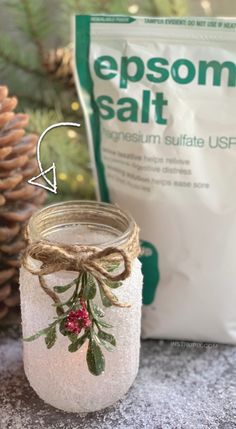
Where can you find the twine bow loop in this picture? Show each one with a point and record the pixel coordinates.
(110, 264)
(62, 257)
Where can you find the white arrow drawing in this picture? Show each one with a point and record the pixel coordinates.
(52, 183)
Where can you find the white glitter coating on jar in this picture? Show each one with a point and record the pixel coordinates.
(61, 378)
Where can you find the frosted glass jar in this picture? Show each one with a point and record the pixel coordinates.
(61, 378)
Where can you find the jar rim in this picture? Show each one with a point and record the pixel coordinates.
(44, 219)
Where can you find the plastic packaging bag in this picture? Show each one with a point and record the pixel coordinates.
(159, 101)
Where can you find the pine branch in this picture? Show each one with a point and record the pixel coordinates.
(39, 102)
(149, 8)
(170, 7)
(14, 61)
(33, 30)
(177, 7)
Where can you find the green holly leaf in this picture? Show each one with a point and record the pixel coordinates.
(109, 343)
(96, 311)
(89, 288)
(62, 328)
(105, 300)
(62, 316)
(104, 324)
(51, 337)
(61, 289)
(109, 338)
(95, 358)
(38, 334)
(72, 337)
(113, 285)
(102, 343)
(75, 345)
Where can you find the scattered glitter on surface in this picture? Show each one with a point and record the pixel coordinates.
(177, 388)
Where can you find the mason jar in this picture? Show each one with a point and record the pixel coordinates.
(59, 377)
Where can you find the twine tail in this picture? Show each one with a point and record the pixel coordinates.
(111, 298)
(51, 294)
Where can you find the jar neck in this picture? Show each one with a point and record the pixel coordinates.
(114, 226)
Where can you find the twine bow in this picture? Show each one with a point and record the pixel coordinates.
(57, 257)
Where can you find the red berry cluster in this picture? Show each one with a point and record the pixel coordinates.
(78, 320)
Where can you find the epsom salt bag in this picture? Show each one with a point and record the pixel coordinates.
(159, 103)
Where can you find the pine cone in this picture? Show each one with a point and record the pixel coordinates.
(59, 64)
(18, 199)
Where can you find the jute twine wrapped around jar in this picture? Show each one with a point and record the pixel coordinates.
(82, 259)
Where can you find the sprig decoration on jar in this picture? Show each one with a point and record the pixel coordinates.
(79, 318)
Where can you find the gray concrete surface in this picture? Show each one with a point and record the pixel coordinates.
(179, 385)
